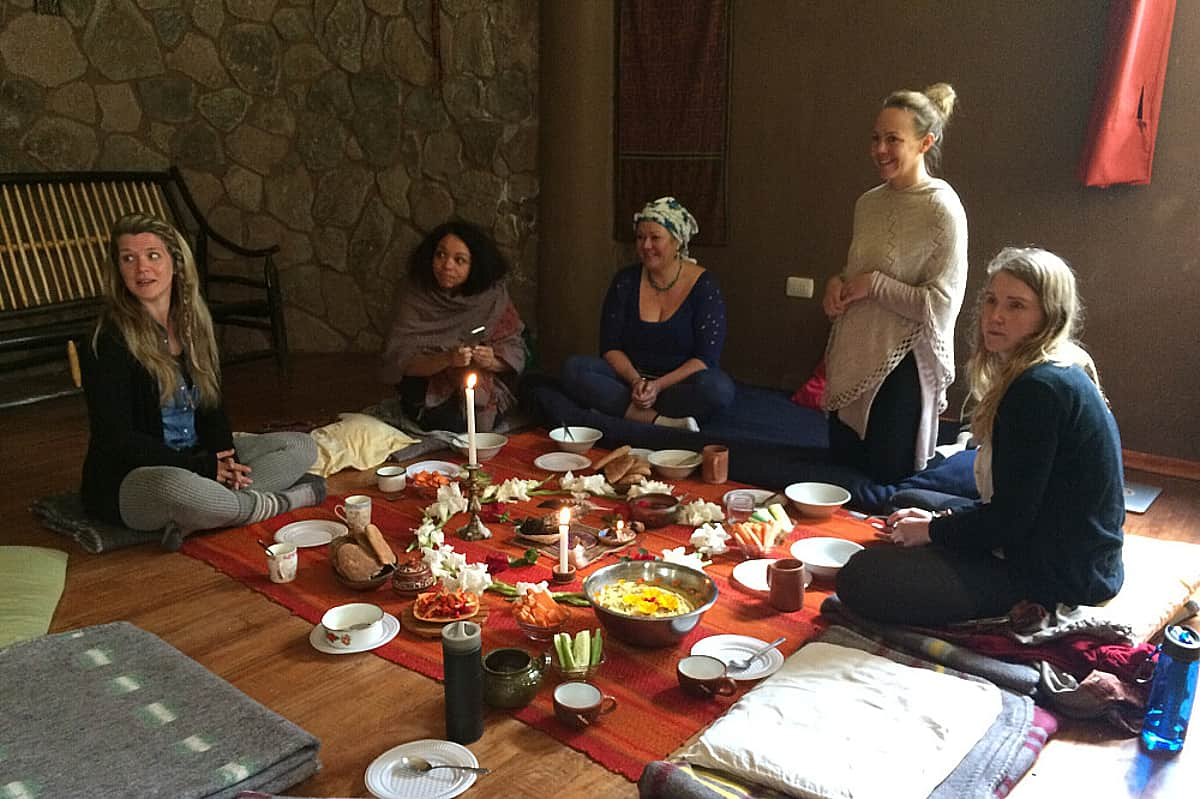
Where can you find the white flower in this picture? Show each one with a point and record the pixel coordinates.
(650, 487)
(700, 512)
(581, 487)
(578, 557)
(429, 535)
(449, 502)
(709, 539)
(514, 489)
(526, 588)
(471, 577)
(693, 561)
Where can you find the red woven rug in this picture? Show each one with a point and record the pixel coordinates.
(653, 716)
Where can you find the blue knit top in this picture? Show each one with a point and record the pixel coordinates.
(696, 330)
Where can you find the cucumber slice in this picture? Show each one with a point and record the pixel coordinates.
(597, 647)
(761, 515)
(780, 515)
(562, 644)
(582, 654)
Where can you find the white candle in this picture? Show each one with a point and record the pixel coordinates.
(471, 454)
(564, 528)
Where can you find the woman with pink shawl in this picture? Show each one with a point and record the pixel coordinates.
(452, 316)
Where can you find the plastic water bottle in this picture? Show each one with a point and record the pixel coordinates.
(1173, 690)
(462, 665)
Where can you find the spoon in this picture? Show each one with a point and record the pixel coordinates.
(567, 431)
(264, 545)
(744, 663)
(420, 765)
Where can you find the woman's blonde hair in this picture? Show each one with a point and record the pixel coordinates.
(931, 110)
(1053, 283)
(189, 314)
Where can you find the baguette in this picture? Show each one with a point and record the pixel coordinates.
(619, 452)
(379, 546)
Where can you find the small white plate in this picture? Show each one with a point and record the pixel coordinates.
(386, 780)
(562, 462)
(752, 575)
(441, 467)
(759, 495)
(736, 647)
(388, 630)
(310, 533)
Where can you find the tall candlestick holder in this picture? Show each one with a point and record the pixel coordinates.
(474, 529)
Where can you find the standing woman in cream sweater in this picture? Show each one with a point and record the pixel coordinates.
(890, 356)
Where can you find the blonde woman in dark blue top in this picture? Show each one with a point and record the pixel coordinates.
(1048, 529)
(661, 332)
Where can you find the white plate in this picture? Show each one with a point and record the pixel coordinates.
(562, 462)
(759, 495)
(310, 533)
(386, 780)
(387, 631)
(441, 467)
(737, 647)
(752, 575)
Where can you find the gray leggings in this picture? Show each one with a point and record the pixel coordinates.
(153, 496)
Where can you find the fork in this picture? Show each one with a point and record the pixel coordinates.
(744, 663)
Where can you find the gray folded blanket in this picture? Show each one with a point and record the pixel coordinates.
(64, 513)
(114, 711)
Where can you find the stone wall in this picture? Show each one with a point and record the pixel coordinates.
(327, 127)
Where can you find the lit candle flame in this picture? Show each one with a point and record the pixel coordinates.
(564, 516)
(620, 525)
(471, 380)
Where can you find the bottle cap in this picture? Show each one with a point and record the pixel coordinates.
(1181, 643)
(461, 637)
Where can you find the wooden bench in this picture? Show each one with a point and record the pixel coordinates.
(54, 243)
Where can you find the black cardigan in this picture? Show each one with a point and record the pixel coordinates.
(1059, 500)
(125, 422)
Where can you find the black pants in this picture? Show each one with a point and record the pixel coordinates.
(928, 585)
(888, 452)
(450, 415)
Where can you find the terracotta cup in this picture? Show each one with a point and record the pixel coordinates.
(785, 580)
(578, 704)
(704, 676)
(715, 467)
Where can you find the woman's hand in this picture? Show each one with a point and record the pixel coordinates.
(832, 302)
(460, 356)
(231, 473)
(908, 528)
(857, 288)
(645, 393)
(484, 357)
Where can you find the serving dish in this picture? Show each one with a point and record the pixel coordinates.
(643, 631)
(824, 557)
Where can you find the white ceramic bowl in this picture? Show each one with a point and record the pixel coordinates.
(352, 625)
(581, 439)
(487, 445)
(674, 464)
(818, 500)
(824, 557)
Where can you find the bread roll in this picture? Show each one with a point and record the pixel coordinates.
(615, 470)
(619, 452)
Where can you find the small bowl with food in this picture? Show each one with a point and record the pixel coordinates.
(649, 603)
(654, 510)
(817, 500)
(487, 445)
(575, 438)
(674, 464)
(539, 616)
(427, 477)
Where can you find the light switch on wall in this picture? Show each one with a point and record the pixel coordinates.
(800, 287)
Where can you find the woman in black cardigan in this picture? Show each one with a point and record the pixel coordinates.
(1048, 529)
(161, 455)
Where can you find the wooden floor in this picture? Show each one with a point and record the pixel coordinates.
(360, 706)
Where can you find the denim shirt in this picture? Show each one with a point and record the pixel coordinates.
(179, 416)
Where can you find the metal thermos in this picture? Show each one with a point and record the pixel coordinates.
(462, 665)
(1173, 690)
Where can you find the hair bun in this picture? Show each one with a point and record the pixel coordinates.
(943, 97)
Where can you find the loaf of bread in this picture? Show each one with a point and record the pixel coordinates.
(354, 563)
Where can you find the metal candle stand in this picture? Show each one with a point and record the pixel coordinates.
(474, 529)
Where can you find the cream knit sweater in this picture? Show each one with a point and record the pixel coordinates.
(915, 241)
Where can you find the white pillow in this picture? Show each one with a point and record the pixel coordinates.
(358, 441)
(840, 722)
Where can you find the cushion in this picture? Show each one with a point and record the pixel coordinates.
(357, 441)
(1160, 577)
(33, 579)
(64, 513)
(843, 707)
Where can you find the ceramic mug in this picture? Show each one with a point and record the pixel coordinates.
(578, 704)
(391, 479)
(785, 581)
(511, 677)
(716, 463)
(282, 561)
(704, 676)
(355, 512)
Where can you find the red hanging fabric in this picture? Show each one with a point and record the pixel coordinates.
(1125, 111)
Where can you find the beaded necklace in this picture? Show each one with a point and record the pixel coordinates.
(669, 286)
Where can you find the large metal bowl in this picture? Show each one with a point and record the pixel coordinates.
(647, 632)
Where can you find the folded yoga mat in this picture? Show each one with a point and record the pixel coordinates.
(113, 711)
(33, 579)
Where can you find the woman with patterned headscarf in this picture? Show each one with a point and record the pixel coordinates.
(161, 456)
(661, 332)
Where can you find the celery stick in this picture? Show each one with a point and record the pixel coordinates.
(582, 653)
(597, 647)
